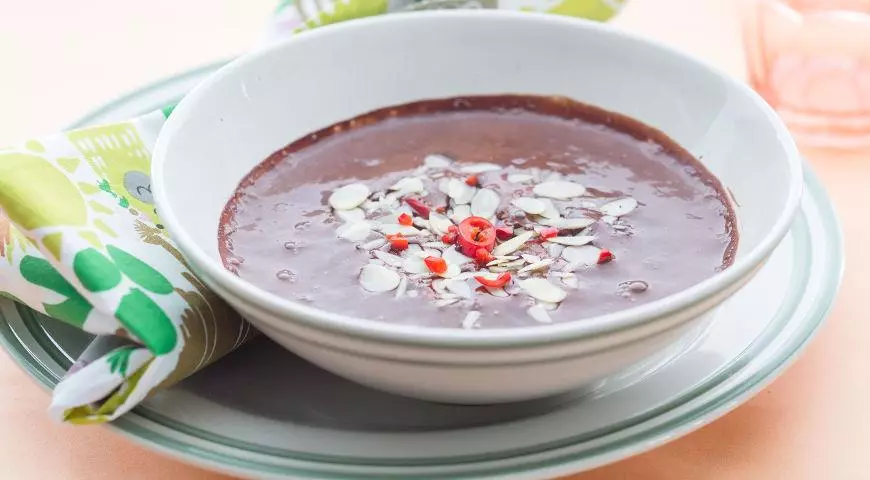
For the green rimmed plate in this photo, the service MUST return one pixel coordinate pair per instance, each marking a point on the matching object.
(239, 417)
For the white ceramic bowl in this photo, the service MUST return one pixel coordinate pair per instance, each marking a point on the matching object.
(262, 101)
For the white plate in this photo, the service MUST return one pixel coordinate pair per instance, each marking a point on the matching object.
(238, 417)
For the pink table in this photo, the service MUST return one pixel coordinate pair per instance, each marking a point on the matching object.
(811, 423)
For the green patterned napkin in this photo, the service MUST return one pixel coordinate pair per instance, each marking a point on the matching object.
(81, 241)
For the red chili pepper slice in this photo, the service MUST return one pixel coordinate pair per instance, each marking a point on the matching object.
(605, 256)
(421, 208)
(549, 232)
(498, 282)
(504, 233)
(449, 238)
(398, 242)
(482, 256)
(472, 180)
(476, 233)
(436, 264)
(405, 219)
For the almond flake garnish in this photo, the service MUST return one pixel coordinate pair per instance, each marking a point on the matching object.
(531, 258)
(485, 203)
(582, 256)
(349, 196)
(559, 189)
(352, 215)
(460, 192)
(519, 178)
(609, 219)
(529, 205)
(513, 264)
(452, 256)
(402, 288)
(569, 223)
(461, 288)
(513, 244)
(460, 212)
(408, 185)
(444, 185)
(453, 271)
(446, 301)
(541, 265)
(439, 223)
(354, 232)
(542, 289)
(550, 210)
(395, 228)
(479, 167)
(572, 241)
(539, 314)
(378, 279)
(618, 208)
(414, 264)
(437, 161)
(500, 260)
(389, 258)
(470, 319)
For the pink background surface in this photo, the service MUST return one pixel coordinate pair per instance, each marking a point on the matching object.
(61, 61)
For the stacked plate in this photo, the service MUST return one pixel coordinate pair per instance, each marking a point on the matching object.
(264, 413)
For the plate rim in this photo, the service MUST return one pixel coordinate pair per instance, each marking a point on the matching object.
(134, 428)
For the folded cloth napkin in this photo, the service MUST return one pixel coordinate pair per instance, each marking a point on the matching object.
(81, 241)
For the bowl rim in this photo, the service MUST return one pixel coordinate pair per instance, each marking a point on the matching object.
(336, 323)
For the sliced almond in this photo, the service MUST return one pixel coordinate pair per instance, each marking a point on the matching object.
(378, 279)
(349, 196)
(354, 232)
(574, 223)
(395, 228)
(500, 260)
(485, 203)
(582, 256)
(471, 319)
(444, 185)
(453, 271)
(439, 245)
(439, 223)
(541, 265)
(542, 289)
(402, 288)
(460, 213)
(460, 192)
(443, 302)
(519, 178)
(539, 314)
(452, 256)
(513, 265)
(554, 249)
(531, 258)
(352, 215)
(388, 258)
(372, 245)
(479, 167)
(408, 185)
(559, 189)
(550, 210)
(609, 219)
(572, 241)
(620, 207)
(439, 285)
(512, 245)
(461, 288)
(529, 205)
(436, 160)
(414, 264)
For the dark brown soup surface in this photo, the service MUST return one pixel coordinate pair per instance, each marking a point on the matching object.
(479, 212)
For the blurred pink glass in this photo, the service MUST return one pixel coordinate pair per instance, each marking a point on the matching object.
(810, 59)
